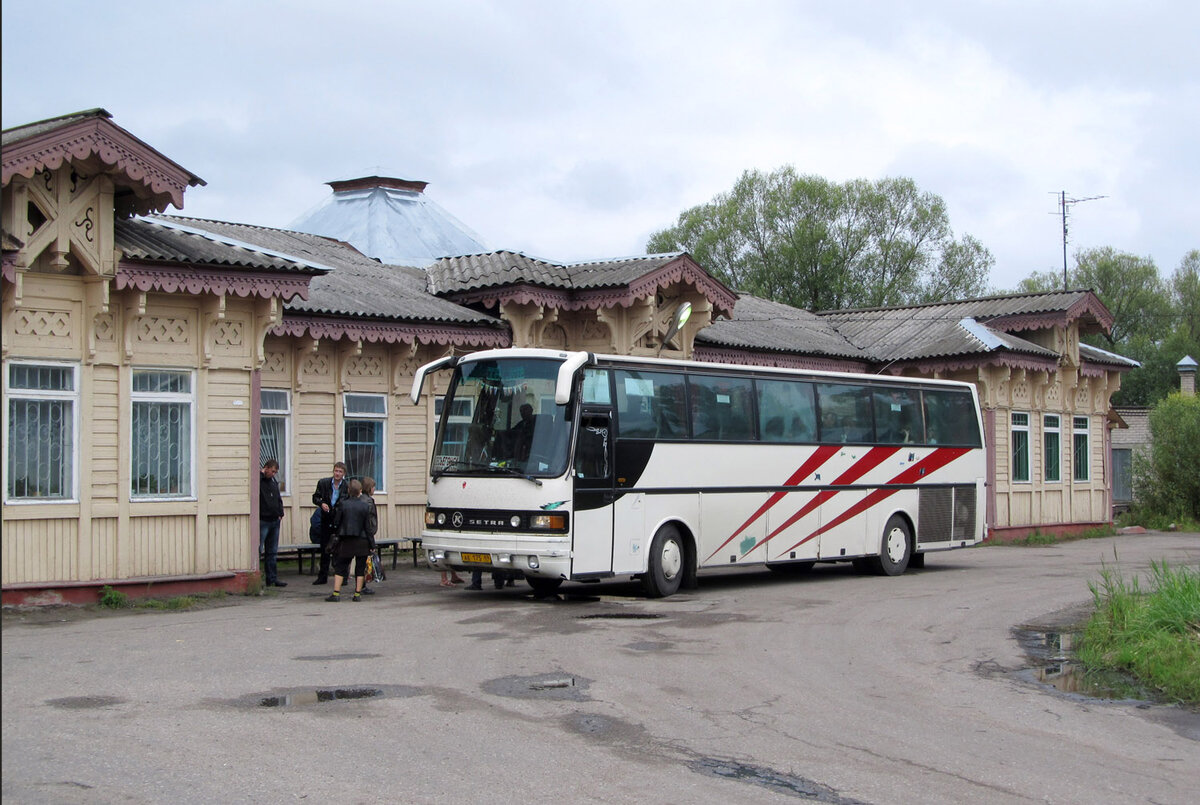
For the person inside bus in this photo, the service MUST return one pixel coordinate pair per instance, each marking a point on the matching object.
(830, 430)
(521, 433)
(477, 445)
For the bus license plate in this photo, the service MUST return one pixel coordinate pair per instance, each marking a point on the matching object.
(478, 558)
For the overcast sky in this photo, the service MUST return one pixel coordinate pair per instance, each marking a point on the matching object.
(573, 130)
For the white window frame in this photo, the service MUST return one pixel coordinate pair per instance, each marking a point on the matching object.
(381, 417)
(1086, 464)
(160, 397)
(1048, 429)
(72, 398)
(1014, 428)
(285, 448)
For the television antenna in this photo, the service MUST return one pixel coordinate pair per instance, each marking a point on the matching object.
(1064, 204)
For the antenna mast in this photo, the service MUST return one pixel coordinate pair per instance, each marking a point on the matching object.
(1064, 204)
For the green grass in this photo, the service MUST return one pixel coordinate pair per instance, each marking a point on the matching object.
(1154, 635)
(115, 599)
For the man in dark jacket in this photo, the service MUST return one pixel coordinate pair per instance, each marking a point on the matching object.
(270, 513)
(330, 492)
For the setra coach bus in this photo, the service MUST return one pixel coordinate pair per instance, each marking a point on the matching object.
(573, 466)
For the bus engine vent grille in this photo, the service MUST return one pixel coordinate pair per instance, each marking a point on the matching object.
(964, 512)
(936, 510)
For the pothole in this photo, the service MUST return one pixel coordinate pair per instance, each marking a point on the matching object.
(553, 686)
(790, 784)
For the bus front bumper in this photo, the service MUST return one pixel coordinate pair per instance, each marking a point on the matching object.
(540, 556)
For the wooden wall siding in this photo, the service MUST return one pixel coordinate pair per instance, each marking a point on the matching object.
(50, 322)
(232, 543)
(410, 445)
(103, 550)
(409, 520)
(101, 413)
(41, 550)
(160, 546)
(223, 456)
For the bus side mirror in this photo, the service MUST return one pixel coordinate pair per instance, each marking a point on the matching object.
(432, 366)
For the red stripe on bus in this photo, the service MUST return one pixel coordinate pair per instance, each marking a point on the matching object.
(932, 462)
(874, 457)
(814, 462)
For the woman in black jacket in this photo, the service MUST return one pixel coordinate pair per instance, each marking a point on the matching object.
(355, 531)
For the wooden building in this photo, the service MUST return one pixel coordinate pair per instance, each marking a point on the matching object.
(152, 361)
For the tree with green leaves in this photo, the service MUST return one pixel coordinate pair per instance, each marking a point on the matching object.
(811, 243)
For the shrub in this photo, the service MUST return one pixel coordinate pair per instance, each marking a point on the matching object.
(1167, 481)
(113, 599)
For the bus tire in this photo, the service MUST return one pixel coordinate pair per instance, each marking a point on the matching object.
(895, 549)
(665, 565)
(543, 587)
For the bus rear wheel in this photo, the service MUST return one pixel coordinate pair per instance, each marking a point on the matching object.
(543, 587)
(895, 550)
(665, 565)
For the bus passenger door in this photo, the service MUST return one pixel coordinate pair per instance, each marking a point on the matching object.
(592, 529)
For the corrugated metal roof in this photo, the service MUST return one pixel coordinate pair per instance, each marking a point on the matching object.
(494, 269)
(357, 285)
(396, 225)
(18, 133)
(144, 239)
(766, 325)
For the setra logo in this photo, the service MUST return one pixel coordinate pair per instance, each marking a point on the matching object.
(456, 519)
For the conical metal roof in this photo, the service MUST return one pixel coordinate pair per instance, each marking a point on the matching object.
(391, 220)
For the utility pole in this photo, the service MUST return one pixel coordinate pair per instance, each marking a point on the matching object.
(1064, 204)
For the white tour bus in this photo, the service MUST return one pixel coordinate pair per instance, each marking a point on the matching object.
(570, 466)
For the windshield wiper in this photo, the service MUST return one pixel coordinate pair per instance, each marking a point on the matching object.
(516, 473)
(457, 464)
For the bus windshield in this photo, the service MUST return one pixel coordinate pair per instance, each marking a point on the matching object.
(500, 418)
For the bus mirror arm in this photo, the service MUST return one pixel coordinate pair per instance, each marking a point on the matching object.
(448, 362)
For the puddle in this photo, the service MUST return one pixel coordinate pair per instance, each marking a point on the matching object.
(306, 697)
(85, 702)
(1054, 665)
(328, 657)
(315, 696)
(555, 686)
(618, 616)
(790, 784)
(648, 645)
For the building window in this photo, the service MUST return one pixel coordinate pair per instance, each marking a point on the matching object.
(273, 432)
(40, 432)
(162, 435)
(365, 416)
(1083, 453)
(1020, 446)
(1052, 447)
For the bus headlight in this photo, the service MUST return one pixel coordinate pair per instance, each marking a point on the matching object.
(552, 522)
(429, 517)
(515, 522)
(441, 518)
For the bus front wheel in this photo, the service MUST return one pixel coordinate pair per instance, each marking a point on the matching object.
(665, 565)
(895, 550)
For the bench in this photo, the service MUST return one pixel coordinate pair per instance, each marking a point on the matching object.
(312, 551)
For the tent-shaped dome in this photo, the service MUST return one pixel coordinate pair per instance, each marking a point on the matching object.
(390, 220)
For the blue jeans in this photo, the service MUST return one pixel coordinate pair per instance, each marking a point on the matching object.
(268, 546)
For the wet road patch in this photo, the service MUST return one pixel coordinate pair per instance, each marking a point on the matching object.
(1054, 666)
(331, 657)
(621, 616)
(553, 687)
(86, 702)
